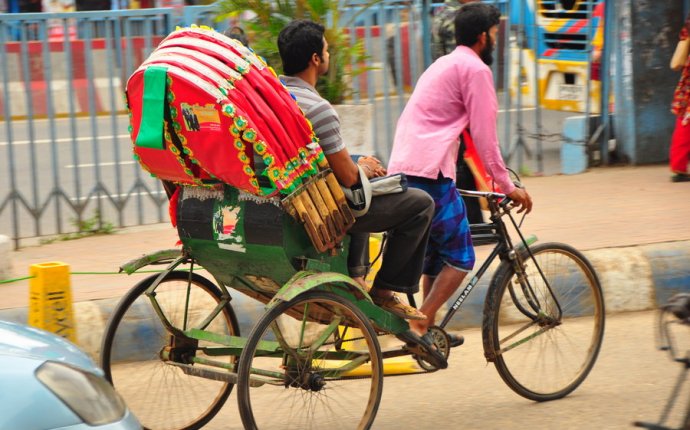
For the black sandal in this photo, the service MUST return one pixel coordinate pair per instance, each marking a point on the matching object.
(455, 339)
(424, 347)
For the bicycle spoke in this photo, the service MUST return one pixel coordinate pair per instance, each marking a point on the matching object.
(546, 355)
(315, 391)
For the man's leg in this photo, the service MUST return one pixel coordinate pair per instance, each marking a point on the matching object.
(680, 147)
(427, 283)
(443, 287)
(406, 218)
(449, 255)
(358, 258)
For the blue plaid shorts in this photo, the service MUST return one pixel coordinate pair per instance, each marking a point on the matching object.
(450, 240)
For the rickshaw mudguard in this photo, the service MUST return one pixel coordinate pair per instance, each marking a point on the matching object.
(164, 255)
(345, 287)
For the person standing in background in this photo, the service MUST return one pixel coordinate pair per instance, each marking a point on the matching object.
(443, 28)
(679, 152)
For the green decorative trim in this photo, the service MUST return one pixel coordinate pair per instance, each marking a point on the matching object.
(153, 106)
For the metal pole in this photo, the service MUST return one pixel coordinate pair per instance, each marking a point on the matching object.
(537, 92)
(519, 146)
(383, 43)
(588, 83)
(7, 109)
(50, 111)
(506, 80)
(426, 33)
(33, 160)
(606, 53)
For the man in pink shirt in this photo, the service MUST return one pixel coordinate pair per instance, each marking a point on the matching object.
(455, 91)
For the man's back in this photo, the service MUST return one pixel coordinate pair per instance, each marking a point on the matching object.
(454, 89)
(319, 112)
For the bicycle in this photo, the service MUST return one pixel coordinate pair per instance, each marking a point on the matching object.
(675, 312)
(313, 358)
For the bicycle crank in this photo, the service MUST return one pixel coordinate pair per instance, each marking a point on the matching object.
(441, 342)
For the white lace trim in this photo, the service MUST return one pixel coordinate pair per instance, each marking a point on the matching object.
(200, 193)
(246, 197)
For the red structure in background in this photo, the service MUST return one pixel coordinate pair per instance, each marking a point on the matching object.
(376, 33)
(38, 86)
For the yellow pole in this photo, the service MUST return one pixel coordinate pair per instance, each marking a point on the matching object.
(391, 366)
(50, 299)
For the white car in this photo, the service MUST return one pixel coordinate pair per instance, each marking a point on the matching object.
(46, 382)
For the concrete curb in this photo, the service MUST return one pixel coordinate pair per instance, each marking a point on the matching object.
(633, 279)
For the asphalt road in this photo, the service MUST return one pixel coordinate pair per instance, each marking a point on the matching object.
(631, 381)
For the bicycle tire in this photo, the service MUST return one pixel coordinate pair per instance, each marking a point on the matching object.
(342, 401)
(159, 394)
(541, 366)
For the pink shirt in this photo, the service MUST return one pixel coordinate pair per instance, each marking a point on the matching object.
(455, 91)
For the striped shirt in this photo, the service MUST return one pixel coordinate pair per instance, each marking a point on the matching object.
(324, 119)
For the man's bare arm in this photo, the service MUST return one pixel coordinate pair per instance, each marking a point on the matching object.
(344, 169)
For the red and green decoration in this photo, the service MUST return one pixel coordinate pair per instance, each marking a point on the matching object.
(204, 108)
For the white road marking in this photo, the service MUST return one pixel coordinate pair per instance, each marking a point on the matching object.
(66, 140)
(108, 163)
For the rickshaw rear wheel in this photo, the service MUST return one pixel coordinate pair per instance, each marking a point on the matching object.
(311, 362)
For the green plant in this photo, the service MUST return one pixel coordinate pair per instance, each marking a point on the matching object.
(347, 59)
(85, 227)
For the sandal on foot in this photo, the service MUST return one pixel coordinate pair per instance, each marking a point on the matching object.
(680, 177)
(424, 347)
(455, 340)
(393, 305)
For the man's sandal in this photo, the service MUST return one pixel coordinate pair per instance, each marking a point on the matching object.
(455, 339)
(424, 347)
(393, 305)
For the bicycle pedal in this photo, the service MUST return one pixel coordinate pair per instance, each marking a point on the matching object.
(425, 349)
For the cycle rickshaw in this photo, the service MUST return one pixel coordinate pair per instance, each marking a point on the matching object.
(313, 359)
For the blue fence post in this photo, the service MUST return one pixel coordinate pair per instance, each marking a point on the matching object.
(607, 51)
(426, 32)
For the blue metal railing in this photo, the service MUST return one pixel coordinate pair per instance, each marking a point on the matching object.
(63, 123)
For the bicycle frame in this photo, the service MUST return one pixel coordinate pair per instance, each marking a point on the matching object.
(667, 343)
(496, 232)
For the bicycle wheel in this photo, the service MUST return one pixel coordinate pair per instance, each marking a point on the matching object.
(540, 355)
(158, 391)
(294, 372)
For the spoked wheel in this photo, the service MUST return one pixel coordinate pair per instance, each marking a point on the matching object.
(149, 366)
(541, 352)
(296, 371)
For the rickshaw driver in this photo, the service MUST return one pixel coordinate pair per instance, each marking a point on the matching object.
(455, 91)
(405, 216)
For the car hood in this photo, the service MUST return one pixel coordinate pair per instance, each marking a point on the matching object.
(24, 341)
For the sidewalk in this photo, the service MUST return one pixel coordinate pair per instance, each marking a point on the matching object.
(631, 222)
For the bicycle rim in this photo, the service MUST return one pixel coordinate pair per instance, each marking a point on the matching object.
(158, 392)
(302, 388)
(542, 358)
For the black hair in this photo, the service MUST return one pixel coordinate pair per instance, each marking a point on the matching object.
(473, 19)
(297, 42)
(238, 34)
